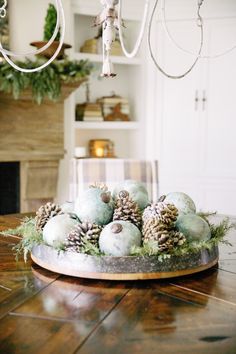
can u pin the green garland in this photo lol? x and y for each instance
(31, 237)
(45, 83)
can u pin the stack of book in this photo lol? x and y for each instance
(93, 113)
(108, 103)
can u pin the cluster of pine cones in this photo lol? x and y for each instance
(156, 223)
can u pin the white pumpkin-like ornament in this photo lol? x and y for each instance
(57, 228)
(118, 237)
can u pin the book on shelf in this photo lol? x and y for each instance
(93, 119)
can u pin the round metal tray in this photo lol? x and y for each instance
(122, 268)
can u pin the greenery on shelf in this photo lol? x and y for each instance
(31, 237)
(45, 83)
(50, 24)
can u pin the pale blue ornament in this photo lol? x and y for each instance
(57, 229)
(193, 227)
(137, 192)
(118, 237)
(95, 205)
(182, 202)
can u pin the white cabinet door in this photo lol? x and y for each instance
(178, 108)
(196, 140)
(218, 186)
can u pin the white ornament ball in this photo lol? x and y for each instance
(182, 202)
(118, 237)
(137, 192)
(57, 229)
(194, 227)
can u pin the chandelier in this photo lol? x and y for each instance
(110, 18)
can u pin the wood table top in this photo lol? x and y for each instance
(44, 312)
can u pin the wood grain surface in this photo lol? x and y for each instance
(43, 312)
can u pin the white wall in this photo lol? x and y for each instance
(27, 20)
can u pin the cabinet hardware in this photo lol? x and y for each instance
(204, 99)
(196, 100)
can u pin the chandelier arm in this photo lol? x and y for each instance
(61, 12)
(153, 56)
(173, 40)
(38, 51)
(141, 33)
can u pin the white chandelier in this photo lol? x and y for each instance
(111, 21)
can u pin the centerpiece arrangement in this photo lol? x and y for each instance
(121, 235)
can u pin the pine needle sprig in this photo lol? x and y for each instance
(91, 249)
(30, 237)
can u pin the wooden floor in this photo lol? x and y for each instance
(43, 312)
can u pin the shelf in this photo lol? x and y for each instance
(97, 58)
(107, 125)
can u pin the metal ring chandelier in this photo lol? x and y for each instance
(111, 21)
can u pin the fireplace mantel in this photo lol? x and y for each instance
(33, 135)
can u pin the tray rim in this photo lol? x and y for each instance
(60, 269)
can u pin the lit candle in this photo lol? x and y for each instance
(99, 152)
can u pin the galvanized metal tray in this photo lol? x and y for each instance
(122, 268)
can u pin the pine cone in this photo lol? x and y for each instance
(83, 232)
(153, 229)
(128, 210)
(170, 241)
(166, 238)
(44, 213)
(166, 213)
(99, 185)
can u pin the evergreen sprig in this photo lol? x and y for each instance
(30, 237)
(45, 83)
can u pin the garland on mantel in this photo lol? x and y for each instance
(45, 83)
(32, 237)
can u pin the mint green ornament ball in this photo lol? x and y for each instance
(182, 202)
(193, 227)
(118, 237)
(137, 192)
(95, 205)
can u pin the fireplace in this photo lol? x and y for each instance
(9, 187)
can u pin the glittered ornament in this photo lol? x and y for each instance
(95, 205)
(137, 192)
(118, 237)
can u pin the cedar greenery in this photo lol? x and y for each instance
(50, 24)
(45, 83)
(30, 237)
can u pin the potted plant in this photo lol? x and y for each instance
(49, 27)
